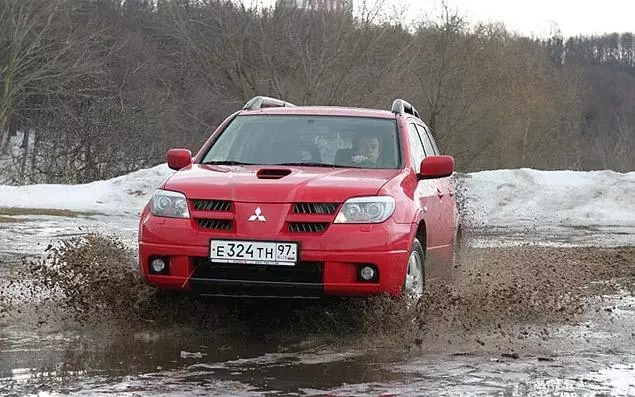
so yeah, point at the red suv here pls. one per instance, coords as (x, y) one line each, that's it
(304, 201)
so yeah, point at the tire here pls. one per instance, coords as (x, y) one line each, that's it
(414, 283)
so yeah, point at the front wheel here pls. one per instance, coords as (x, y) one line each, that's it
(414, 282)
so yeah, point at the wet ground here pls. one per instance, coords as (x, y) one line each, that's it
(514, 321)
(26, 234)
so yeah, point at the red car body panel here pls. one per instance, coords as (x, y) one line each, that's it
(242, 184)
(337, 251)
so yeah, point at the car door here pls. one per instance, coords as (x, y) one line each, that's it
(426, 192)
(445, 190)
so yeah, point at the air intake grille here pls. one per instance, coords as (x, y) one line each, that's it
(303, 272)
(215, 224)
(212, 205)
(314, 208)
(307, 227)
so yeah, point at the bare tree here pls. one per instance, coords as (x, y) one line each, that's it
(98, 88)
(45, 49)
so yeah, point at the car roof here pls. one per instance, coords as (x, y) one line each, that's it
(322, 111)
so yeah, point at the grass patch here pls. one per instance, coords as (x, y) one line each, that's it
(15, 211)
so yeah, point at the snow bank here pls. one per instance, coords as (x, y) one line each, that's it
(526, 197)
(125, 194)
(500, 198)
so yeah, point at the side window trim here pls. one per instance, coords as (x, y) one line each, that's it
(432, 140)
(424, 137)
(417, 161)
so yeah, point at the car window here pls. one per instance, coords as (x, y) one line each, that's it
(425, 139)
(433, 141)
(292, 139)
(416, 148)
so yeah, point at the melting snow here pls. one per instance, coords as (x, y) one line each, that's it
(531, 197)
(550, 207)
(125, 194)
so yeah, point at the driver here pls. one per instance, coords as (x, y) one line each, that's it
(366, 149)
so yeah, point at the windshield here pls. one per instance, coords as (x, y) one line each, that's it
(322, 141)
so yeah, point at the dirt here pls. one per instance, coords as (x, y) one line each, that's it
(510, 294)
(8, 219)
(508, 302)
(20, 211)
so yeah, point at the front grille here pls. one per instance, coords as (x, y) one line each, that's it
(215, 224)
(314, 208)
(303, 272)
(307, 227)
(212, 205)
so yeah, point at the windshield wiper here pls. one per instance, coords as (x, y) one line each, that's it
(315, 164)
(226, 162)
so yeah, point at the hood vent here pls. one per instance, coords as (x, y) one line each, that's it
(272, 173)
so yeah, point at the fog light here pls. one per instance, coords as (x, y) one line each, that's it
(367, 273)
(157, 265)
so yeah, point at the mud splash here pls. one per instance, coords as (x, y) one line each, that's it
(497, 296)
(511, 299)
(93, 280)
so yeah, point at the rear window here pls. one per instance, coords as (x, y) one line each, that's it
(340, 141)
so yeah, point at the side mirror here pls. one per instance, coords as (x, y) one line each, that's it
(436, 167)
(179, 158)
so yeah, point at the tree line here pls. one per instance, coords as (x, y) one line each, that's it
(91, 89)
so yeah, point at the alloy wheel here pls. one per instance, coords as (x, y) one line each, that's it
(414, 275)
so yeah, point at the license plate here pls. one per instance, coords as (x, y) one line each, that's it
(255, 252)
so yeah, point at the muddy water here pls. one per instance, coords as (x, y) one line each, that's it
(512, 321)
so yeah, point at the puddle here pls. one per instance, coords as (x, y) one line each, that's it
(67, 363)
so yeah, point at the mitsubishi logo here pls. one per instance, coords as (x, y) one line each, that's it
(257, 216)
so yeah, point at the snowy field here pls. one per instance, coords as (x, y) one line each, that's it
(520, 206)
(567, 208)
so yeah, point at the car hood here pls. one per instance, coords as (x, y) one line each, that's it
(277, 184)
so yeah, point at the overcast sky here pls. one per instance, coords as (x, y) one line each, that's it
(538, 16)
(532, 17)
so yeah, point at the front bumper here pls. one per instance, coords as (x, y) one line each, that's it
(329, 263)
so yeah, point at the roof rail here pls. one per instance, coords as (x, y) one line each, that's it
(400, 106)
(259, 102)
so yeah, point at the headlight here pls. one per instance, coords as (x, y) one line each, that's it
(169, 204)
(372, 209)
